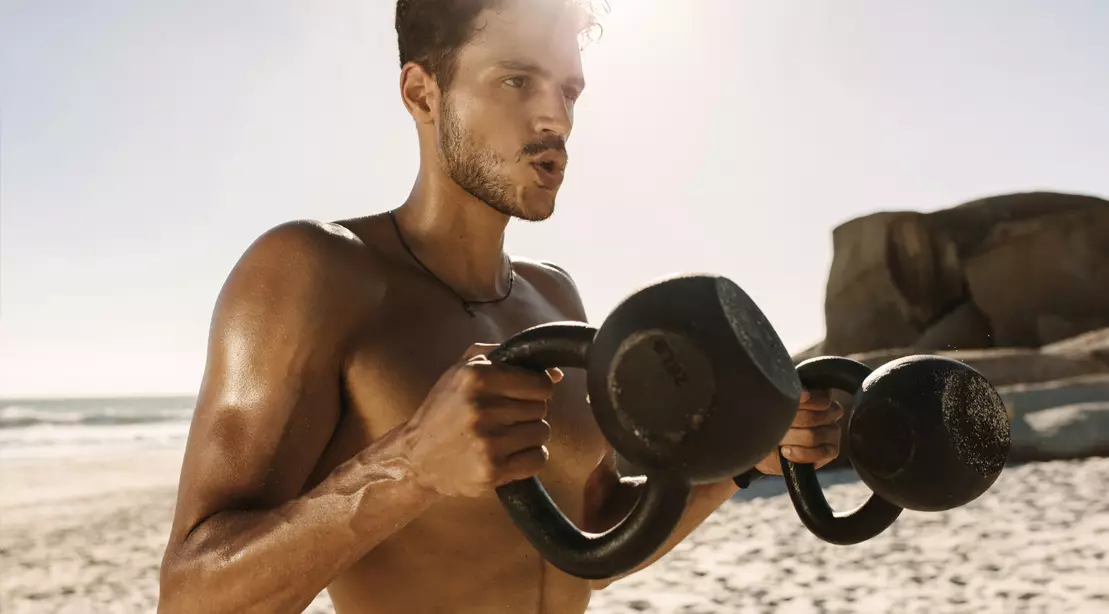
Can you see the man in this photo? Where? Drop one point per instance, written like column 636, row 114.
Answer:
column 349, row 432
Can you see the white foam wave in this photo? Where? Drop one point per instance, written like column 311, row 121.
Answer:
column 67, row 440
column 125, row 411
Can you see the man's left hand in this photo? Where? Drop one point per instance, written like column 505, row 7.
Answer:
column 812, row 438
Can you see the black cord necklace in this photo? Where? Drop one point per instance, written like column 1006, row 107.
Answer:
column 466, row 304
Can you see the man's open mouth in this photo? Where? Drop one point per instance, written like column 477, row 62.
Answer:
column 549, row 173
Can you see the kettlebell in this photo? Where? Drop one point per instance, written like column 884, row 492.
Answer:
column 687, row 381
column 927, row 433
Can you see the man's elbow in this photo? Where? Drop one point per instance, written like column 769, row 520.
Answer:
column 185, row 572
column 173, row 581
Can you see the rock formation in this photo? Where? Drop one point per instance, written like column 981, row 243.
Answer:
column 1017, row 286
column 1020, row 270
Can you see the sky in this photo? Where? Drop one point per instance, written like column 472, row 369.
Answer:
column 144, row 145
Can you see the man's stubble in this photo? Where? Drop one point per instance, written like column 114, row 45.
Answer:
column 476, row 168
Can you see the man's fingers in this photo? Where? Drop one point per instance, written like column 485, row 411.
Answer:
column 809, row 418
column 523, row 464
column 812, row 437
column 815, row 400
column 497, row 413
column 815, row 455
column 478, row 349
column 477, row 354
column 523, row 436
column 508, row 381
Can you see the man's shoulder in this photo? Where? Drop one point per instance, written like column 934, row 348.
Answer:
column 542, row 268
column 308, row 238
column 307, row 245
column 307, row 260
column 553, row 281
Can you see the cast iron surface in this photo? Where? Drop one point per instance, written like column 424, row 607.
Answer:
column 842, row 528
column 687, row 376
column 926, row 433
column 585, row 555
column 673, row 374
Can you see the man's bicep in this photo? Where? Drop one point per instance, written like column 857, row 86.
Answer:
column 270, row 395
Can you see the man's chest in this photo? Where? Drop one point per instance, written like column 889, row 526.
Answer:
column 391, row 370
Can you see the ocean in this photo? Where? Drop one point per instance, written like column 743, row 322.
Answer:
column 36, row 428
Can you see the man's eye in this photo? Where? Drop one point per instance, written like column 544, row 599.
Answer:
column 515, row 82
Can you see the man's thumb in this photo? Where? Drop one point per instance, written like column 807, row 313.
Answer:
column 478, row 349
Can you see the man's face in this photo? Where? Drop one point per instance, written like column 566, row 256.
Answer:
column 507, row 113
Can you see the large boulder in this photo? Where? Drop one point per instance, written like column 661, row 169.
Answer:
column 1057, row 420
column 1018, row 270
column 963, row 327
column 1044, row 279
column 892, row 275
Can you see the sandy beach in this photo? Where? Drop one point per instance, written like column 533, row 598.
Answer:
column 84, row 536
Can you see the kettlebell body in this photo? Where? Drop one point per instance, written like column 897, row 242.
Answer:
column 688, row 381
column 927, row 433
column 688, row 377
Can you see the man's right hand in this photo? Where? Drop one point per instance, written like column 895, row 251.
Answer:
column 481, row 426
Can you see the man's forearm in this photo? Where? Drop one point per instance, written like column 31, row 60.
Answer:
column 703, row 501
column 278, row 560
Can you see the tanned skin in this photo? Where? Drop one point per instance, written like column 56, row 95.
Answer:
column 349, row 432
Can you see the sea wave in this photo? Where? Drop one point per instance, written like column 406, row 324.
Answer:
column 94, row 412
column 81, row 427
column 84, row 440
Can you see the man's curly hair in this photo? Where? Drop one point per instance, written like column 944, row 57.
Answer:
column 431, row 32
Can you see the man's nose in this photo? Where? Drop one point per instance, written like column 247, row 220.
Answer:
column 554, row 115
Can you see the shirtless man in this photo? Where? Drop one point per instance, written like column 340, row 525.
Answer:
column 349, row 433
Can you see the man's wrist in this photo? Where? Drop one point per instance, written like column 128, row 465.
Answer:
column 394, row 453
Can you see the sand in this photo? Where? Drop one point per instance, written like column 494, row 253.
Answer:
column 86, row 537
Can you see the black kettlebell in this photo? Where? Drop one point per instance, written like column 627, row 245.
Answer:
column 927, row 433
column 687, row 381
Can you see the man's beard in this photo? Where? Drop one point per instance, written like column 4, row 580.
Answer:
column 475, row 168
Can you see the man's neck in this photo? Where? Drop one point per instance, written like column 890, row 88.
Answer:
column 457, row 237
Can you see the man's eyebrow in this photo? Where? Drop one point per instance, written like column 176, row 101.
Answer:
column 535, row 69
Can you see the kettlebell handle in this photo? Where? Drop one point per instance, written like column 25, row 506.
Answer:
column 867, row 520
column 578, row 553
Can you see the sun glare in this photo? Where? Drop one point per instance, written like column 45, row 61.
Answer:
column 635, row 15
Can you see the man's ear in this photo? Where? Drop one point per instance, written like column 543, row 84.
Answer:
column 420, row 93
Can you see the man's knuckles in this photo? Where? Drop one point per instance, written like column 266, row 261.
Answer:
column 807, row 418
column 812, row 437
column 476, row 380
column 816, row 454
column 818, row 400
